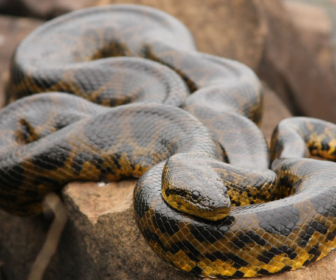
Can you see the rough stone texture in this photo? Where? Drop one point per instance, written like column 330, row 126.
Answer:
column 12, row 31
column 291, row 68
column 315, row 28
column 43, row 9
column 274, row 112
column 22, row 238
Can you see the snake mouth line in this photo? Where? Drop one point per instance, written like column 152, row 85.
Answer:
column 177, row 199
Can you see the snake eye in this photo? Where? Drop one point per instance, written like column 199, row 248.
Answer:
column 195, row 195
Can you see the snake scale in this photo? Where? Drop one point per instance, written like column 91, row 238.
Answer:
column 207, row 200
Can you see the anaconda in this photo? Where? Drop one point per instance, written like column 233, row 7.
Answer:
column 206, row 201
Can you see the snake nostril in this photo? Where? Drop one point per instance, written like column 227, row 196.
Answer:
column 167, row 192
column 195, row 195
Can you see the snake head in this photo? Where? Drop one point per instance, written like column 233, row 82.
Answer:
column 191, row 186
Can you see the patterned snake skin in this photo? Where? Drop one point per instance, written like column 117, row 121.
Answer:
column 199, row 156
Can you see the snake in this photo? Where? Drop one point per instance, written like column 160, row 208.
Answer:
column 119, row 91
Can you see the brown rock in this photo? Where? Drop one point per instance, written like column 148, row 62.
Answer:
column 12, row 31
column 21, row 239
column 315, row 28
column 274, row 112
column 291, row 68
column 43, row 9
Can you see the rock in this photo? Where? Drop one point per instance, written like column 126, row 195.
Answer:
column 12, row 31
column 43, row 9
column 21, row 239
column 291, row 68
column 315, row 28
column 274, row 112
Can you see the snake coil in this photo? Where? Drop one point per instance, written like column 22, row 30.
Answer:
column 190, row 134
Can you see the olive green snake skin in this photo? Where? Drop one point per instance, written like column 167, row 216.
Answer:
column 206, row 200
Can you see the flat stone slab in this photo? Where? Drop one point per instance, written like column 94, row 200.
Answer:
column 12, row 31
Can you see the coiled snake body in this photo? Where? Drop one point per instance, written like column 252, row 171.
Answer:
column 122, row 54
